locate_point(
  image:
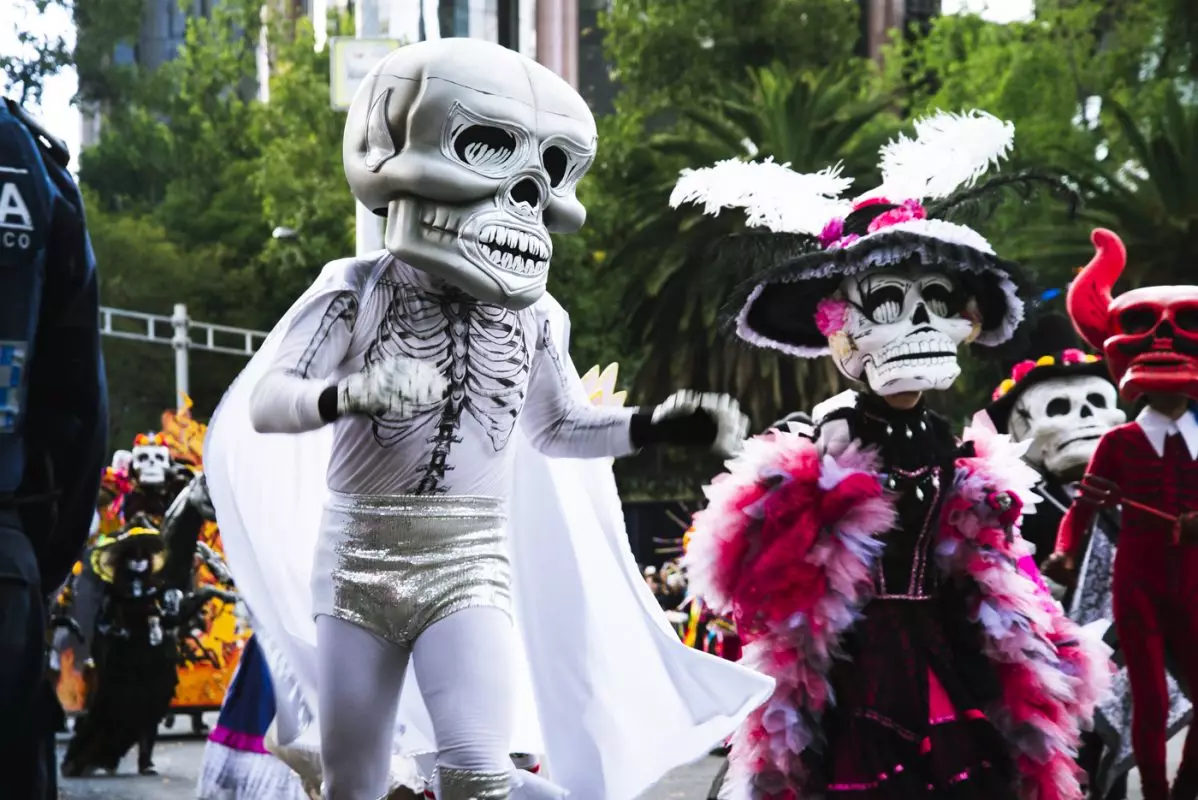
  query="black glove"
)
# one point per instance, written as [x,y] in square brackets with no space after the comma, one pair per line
[694,420]
[696,429]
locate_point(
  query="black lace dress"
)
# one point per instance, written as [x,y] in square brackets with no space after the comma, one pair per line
[908,721]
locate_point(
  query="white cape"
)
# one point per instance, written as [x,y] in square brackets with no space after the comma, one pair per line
[606,690]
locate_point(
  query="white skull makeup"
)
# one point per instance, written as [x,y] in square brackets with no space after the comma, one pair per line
[475,152]
[150,463]
[1064,418]
[902,331]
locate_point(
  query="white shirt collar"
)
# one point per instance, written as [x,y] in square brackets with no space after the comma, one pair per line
[1157,427]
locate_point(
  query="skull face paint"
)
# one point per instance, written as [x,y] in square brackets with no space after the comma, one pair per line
[151,463]
[474,152]
[1064,418]
[902,331]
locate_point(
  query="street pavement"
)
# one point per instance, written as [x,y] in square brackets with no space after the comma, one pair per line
[178,761]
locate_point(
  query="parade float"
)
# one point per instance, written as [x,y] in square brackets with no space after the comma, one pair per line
[141,487]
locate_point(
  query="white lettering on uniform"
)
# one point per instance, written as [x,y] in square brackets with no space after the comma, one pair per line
[14,213]
[10,239]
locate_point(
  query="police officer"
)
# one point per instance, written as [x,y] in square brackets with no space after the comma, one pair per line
[53,428]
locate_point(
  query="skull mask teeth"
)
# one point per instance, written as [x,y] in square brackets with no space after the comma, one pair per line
[151,463]
[475,153]
[1064,418]
[903,331]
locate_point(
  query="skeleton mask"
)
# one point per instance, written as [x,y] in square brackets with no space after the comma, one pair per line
[901,331]
[1064,418]
[150,463]
[474,152]
[1148,335]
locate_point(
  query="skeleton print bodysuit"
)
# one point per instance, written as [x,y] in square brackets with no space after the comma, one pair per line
[503,367]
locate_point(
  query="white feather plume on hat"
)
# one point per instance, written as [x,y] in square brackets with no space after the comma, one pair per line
[949,151]
[772,195]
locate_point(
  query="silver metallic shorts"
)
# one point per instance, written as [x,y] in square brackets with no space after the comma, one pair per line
[395,565]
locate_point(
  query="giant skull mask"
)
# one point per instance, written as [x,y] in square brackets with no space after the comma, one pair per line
[1064,418]
[902,331]
[474,153]
[151,462]
[1148,335]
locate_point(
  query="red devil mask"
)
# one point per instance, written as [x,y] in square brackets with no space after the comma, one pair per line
[1149,335]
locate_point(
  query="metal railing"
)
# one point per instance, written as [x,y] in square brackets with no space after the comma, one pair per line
[178,331]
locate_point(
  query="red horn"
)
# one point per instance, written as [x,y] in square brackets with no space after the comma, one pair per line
[1089,298]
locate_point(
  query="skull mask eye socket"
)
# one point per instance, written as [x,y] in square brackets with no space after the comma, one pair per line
[1097,400]
[565,162]
[487,146]
[1138,320]
[1058,407]
[883,302]
[556,163]
[1186,319]
[942,298]
[484,147]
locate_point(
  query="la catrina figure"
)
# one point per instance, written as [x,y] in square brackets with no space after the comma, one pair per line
[1062,401]
[875,568]
[135,651]
[1149,469]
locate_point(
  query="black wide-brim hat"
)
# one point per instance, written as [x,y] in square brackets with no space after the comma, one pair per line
[777,309]
[1000,410]
[1055,351]
[137,542]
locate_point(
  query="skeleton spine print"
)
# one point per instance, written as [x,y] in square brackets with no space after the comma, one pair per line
[481,351]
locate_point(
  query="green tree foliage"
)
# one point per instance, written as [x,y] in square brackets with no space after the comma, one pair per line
[1131,161]
[39,53]
[1150,198]
[688,50]
[697,77]
[811,121]
[189,180]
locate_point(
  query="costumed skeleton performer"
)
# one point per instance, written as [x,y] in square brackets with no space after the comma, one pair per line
[432,383]
[1063,402]
[135,653]
[876,571]
[1149,467]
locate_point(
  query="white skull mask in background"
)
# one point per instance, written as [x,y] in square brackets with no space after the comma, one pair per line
[122,460]
[1064,418]
[474,153]
[150,463]
[902,331]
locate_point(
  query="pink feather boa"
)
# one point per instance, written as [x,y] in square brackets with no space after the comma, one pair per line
[787,546]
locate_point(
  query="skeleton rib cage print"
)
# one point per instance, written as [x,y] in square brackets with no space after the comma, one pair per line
[482,351]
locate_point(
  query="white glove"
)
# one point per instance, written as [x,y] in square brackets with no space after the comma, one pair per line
[731,425]
[395,385]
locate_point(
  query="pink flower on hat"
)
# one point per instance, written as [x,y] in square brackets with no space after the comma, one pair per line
[909,210]
[830,315]
[832,232]
[1022,369]
[1073,356]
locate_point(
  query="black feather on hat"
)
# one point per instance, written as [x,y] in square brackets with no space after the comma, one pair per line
[1055,352]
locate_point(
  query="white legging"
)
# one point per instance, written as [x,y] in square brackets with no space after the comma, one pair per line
[464,666]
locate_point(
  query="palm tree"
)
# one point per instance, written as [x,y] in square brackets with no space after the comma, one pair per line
[1149,197]
[674,300]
